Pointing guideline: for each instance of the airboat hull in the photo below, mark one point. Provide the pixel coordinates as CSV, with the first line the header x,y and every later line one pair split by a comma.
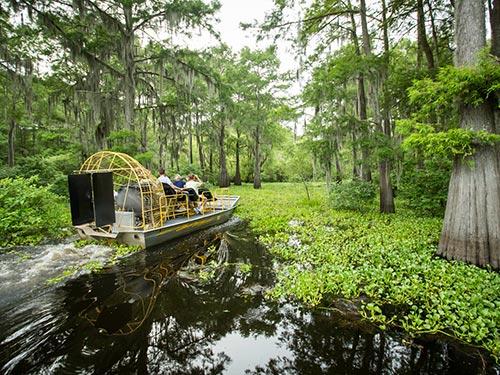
x,y
172,229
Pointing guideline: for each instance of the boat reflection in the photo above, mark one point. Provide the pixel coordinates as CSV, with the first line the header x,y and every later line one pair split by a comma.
x,y
123,310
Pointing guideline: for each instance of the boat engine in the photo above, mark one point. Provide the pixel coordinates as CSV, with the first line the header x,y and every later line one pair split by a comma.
x,y
129,199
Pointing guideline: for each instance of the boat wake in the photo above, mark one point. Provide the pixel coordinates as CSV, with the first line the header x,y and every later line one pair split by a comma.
x,y
29,268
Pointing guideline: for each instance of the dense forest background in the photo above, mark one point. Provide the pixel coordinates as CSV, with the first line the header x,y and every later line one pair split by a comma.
x,y
378,110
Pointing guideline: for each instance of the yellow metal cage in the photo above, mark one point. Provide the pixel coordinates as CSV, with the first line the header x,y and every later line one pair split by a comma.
x,y
129,176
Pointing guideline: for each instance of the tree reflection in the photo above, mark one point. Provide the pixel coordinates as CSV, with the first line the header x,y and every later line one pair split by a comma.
x,y
327,343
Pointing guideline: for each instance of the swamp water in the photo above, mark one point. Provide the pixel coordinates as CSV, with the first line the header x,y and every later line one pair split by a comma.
x,y
194,306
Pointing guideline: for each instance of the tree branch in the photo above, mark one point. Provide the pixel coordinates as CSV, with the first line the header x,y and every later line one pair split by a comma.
x,y
106,15
319,17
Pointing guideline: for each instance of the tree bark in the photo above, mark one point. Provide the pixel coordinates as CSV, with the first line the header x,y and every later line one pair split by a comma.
x,y
422,42
237,174
199,141
385,185
434,32
129,64
494,10
471,229
11,142
223,176
256,168
190,129
328,173
366,173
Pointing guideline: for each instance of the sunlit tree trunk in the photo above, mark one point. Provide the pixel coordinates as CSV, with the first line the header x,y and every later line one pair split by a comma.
x,y
471,230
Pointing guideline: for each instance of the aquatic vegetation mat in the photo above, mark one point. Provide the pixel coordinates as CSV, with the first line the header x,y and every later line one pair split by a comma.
x,y
385,262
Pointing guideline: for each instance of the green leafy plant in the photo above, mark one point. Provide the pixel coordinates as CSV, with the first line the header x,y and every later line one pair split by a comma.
x,y
352,195
387,262
30,213
446,144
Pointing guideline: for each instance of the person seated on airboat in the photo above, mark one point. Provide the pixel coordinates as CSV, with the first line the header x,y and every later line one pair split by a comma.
x,y
179,181
171,189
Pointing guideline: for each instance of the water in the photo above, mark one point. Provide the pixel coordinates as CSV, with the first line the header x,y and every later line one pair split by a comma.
x,y
177,309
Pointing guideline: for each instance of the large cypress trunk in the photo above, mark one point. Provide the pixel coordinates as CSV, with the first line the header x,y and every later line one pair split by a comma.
x,y
471,230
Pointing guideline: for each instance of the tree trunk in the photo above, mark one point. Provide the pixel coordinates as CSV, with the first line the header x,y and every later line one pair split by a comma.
x,y
385,185
211,161
129,64
237,174
355,172
328,174
144,133
494,10
423,44
11,141
471,229
190,146
366,173
199,141
256,167
223,176
435,39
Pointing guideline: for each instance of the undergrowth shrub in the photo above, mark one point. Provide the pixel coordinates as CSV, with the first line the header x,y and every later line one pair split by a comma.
x,y
352,195
425,190
29,213
50,171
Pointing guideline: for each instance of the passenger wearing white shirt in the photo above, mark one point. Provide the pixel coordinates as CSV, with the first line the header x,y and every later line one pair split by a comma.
x,y
193,182
165,180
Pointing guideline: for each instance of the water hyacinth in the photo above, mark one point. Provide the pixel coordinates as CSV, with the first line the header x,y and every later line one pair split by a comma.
x,y
388,262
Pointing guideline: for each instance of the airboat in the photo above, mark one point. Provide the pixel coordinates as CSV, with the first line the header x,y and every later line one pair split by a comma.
x,y
114,197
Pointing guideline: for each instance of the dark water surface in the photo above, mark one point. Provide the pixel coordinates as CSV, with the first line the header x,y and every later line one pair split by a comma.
x,y
177,309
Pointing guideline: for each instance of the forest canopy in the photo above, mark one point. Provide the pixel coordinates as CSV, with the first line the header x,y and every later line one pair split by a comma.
x,y
384,88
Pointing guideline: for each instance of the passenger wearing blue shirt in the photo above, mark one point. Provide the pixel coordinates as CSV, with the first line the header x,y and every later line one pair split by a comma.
x,y
179,182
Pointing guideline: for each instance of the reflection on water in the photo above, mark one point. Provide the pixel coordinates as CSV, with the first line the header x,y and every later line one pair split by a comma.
x,y
153,313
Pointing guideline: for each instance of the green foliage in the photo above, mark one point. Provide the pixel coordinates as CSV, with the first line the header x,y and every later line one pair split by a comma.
x,y
50,171
145,158
469,85
352,195
120,250
245,267
91,266
30,213
446,144
388,261
424,189
125,141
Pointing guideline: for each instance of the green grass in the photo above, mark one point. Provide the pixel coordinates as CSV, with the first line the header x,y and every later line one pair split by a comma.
x,y
386,260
